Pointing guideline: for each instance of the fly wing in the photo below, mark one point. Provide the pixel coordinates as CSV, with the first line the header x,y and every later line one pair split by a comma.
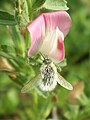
x,y
64,83
31,84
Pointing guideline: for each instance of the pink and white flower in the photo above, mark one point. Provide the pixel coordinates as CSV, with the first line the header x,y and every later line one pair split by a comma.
x,y
47,33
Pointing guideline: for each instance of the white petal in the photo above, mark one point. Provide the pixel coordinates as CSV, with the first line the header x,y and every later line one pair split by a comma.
x,y
49,42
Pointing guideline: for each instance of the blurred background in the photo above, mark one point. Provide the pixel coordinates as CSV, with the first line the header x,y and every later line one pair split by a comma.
x,y
61,104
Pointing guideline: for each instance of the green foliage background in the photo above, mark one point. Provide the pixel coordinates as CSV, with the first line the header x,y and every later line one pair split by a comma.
x,y
57,106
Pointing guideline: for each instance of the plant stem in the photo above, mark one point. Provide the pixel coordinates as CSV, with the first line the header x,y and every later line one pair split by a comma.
x,y
29,2
19,7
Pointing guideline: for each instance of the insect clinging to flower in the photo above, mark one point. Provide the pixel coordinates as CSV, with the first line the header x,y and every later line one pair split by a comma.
x,y
47,79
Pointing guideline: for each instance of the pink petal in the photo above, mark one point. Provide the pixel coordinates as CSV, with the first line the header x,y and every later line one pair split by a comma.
x,y
58,54
60,19
37,31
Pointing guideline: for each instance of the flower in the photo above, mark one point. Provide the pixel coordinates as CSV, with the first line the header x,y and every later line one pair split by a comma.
x,y
47,34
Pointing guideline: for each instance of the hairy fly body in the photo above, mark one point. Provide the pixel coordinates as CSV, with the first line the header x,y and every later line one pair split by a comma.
x,y
47,79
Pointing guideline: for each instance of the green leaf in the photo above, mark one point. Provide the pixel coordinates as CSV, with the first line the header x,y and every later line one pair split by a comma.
x,y
56,5
6,55
61,65
7,19
12,59
5,38
18,41
37,4
28,39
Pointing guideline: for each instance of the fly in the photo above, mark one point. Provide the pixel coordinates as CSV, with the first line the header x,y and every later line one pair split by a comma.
x,y
47,79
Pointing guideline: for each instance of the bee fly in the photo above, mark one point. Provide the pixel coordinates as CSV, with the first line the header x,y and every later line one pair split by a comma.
x,y
47,79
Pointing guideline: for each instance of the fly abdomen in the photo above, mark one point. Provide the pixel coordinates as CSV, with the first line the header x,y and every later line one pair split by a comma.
x,y
48,78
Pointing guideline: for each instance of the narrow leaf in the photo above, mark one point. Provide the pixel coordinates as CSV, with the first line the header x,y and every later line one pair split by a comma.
x,y
56,5
38,3
28,39
7,19
18,41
